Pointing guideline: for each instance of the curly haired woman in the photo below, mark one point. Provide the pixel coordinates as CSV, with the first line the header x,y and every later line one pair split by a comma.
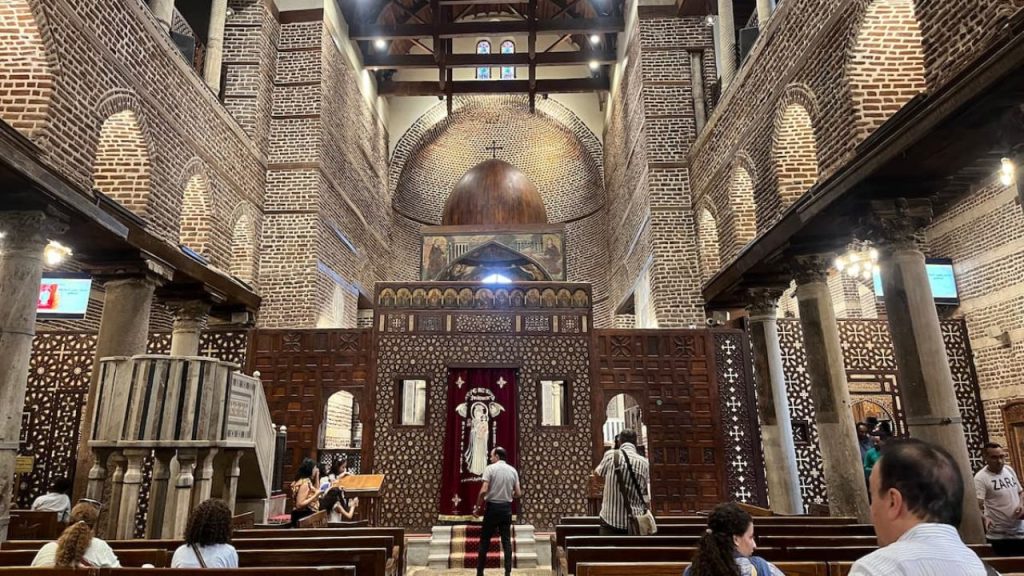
x,y
727,547
207,538
78,546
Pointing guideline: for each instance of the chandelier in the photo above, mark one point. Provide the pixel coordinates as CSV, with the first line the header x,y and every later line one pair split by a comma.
x,y
859,261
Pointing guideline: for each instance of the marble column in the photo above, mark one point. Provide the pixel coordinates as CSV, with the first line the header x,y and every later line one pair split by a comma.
x,y
773,403
926,383
131,488
176,518
213,59
202,484
21,267
837,434
164,12
230,490
124,331
764,12
189,321
726,43
158,490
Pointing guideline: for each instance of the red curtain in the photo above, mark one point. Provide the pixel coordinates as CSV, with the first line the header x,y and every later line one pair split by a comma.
x,y
481,414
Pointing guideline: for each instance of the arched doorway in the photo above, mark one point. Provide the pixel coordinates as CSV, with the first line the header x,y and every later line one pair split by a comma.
x,y
341,431
623,411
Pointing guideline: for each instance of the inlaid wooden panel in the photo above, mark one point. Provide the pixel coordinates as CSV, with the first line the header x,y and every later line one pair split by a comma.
x,y
300,369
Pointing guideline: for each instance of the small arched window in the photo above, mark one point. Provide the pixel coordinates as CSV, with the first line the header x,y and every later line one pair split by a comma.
x,y
508,72
483,72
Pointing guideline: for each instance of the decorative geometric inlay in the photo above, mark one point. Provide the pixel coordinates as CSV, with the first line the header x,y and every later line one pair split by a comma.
x,y
483,323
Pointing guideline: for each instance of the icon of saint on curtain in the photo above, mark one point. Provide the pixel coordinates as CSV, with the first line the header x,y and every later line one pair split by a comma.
x,y
478,411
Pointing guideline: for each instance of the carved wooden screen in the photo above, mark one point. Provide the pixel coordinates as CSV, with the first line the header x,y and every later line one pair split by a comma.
x,y
675,378
300,369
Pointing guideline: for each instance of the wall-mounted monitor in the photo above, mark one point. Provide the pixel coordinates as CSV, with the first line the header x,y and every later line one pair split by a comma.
x,y
940,278
63,295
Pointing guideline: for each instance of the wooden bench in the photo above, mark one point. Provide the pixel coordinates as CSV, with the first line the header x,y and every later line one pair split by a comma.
x,y
318,520
367,561
331,571
703,520
34,525
677,568
243,521
158,557
397,533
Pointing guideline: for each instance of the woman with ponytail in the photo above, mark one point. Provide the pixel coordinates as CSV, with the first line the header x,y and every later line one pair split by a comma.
x,y
78,546
727,546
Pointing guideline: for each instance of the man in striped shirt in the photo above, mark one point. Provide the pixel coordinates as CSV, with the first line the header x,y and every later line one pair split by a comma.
x,y
614,518
917,498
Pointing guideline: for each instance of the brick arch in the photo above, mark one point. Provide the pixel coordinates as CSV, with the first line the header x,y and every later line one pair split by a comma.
x,y
122,167
794,146
244,245
886,65
27,69
741,200
196,208
708,241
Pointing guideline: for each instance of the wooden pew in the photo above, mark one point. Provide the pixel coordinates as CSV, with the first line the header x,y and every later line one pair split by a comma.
x,y
397,533
34,525
158,557
318,520
243,521
691,541
703,520
329,571
367,561
677,568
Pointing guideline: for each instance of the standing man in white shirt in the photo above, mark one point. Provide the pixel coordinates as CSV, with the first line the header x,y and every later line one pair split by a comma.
x,y
624,463
917,497
501,485
999,495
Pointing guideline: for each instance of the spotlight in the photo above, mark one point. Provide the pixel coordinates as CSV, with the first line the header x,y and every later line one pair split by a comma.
x,y
380,44
1007,172
55,253
595,39
709,21
594,65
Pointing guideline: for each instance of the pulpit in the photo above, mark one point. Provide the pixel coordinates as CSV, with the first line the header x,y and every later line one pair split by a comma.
x,y
367,488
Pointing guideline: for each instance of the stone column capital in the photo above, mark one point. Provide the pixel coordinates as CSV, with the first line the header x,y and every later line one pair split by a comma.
x,y
763,302
897,223
134,272
811,268
189,310
28,230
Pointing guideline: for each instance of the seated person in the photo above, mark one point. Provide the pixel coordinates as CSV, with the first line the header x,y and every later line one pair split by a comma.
x,y
305,492
207,538
338,470
56,500
323,478
78,546
338,506
727,545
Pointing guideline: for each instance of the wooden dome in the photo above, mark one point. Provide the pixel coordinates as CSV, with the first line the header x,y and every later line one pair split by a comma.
x,y
494,193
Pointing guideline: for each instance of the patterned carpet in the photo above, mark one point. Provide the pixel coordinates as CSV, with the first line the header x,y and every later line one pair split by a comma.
x,y
466,539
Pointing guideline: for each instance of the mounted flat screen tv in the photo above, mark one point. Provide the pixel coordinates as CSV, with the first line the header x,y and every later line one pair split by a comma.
x,y
63,295
940,278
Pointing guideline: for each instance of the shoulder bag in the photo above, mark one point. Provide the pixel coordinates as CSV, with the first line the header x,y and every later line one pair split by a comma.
x,y
199,555
641,524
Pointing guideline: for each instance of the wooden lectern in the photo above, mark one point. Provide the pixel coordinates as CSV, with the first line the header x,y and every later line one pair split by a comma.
x,y
367,488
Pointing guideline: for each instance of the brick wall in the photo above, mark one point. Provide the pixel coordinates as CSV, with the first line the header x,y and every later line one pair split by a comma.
x,y
829,73
26,79
984,235
553,148
651,127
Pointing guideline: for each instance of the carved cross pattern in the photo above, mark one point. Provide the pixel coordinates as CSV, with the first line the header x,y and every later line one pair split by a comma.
x,y
501,382
728,347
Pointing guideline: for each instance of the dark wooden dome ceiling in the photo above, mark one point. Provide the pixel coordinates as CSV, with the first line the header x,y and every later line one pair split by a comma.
x,y
494,193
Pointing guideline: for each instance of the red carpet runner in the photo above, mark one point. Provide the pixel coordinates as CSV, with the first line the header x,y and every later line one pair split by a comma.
x,y
466,540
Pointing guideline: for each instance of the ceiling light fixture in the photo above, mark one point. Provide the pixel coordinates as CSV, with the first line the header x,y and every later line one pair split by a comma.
x,y
380,44
594,65
1007,172
709,21
595,39
859,261
55,253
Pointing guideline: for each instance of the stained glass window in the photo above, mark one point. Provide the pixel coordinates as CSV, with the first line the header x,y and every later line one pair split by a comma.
x,y
483,72
508,72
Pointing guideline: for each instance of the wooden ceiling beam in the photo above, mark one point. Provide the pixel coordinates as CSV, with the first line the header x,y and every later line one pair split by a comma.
x,y
464,2
478,28
543,86
378,61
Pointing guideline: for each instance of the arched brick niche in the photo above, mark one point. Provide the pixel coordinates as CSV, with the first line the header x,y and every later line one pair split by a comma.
x,y
707,237
886,68
26,73
196,210
741,199
244,244
794,149
552,147
122,166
